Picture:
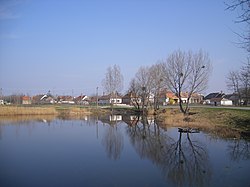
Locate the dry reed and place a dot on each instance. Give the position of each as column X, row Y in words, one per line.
column 20, row 110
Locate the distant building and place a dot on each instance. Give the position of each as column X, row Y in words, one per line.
column 26, row 100
column 65, row 99
column 221, row 102
column 131, row 99
column 171, row 98
column 207, row 99
column 110, row 99
column 43, row 99
column 218, row 99
column 82, row 100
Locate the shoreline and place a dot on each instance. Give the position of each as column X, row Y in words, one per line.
column 203, row 118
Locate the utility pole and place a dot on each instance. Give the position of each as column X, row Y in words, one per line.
column 97, row 97
column 1, row 96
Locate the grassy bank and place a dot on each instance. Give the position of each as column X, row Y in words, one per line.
column 228, row 123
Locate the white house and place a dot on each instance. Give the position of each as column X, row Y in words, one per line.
column 221, row 102
column 110, row 99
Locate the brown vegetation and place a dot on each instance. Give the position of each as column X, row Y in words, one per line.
column 219, row 122
column 20, row 110
column 57, row 110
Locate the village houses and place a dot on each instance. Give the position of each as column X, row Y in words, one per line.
column 165, row 97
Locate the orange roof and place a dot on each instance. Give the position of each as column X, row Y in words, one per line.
column 171, row 95
column 25, row 98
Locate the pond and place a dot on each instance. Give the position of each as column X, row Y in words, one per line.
column 117, row 151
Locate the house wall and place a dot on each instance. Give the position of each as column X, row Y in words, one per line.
column 26, row 102
column 104, row 101
column 226, row 102
column 116, row 100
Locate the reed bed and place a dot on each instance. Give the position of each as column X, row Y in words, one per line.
column 21, row 110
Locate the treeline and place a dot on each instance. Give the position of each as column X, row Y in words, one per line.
column 180, row 72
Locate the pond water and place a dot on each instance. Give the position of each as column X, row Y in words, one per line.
column 98, row 152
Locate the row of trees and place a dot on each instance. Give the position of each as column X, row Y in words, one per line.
column 180, row 72
column 239, row 82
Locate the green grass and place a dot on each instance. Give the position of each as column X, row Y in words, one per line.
column 234, row 118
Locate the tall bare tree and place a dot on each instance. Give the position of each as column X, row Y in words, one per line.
column 113, row 81
column 156, row 77
column 243, row 9
column 239, row 82
column 233, row 83
column 142, row 85
column 245, row 81
column 186, row 72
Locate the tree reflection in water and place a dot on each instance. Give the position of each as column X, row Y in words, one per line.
column 239, row 150
column 113, row 142
column 183, row 161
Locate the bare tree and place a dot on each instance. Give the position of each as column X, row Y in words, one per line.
column 113, row 81
column 186, row 72
column 142, row 85
column 233, row 83
column 245, row 81
column 156, row 77
column 243, row 9
column 239, row 82
column 134, row 92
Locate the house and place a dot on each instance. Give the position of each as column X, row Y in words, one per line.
column 171, row 98
column 110, row 99
column 218, row 99
column 221, row 102
column 82, row 100
column 26, row 100
column 235, row 98
column 207, row 99
column 65, row 99
column 131, row 99
column 43, row 99
column 196, row 98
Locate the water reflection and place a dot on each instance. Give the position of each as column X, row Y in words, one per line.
column 183, row 157
column 239, row 150
column 181, row 160
column 113, row 142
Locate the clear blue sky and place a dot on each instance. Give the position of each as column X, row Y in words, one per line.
column 67, row 45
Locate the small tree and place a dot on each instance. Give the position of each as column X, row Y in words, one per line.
column 186, row 71
column 134, row 92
